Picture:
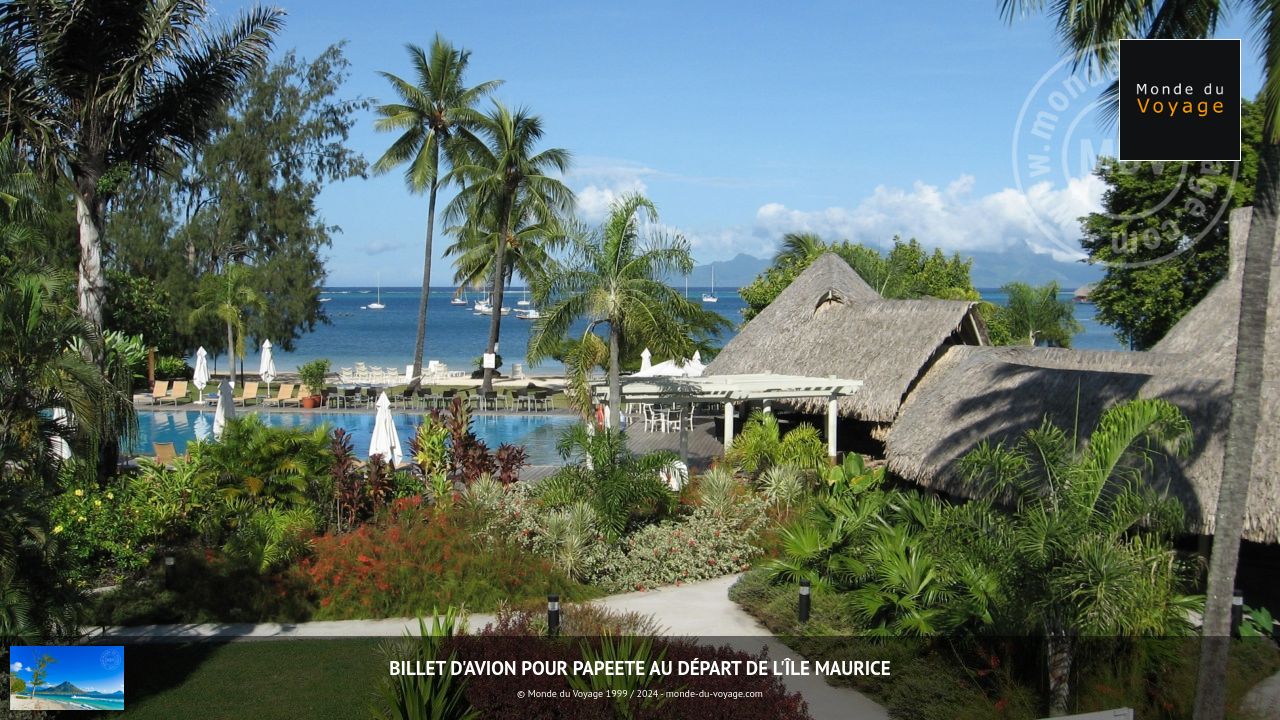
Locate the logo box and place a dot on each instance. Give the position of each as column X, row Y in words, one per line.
column 1179, row 100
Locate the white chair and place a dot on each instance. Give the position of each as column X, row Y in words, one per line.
column 346, row 376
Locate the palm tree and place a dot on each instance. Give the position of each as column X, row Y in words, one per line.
column 100, row 89
column 1091, row 30
column 615, row 277
column 1091, row 543
column 1037, row 315
column 429, row 113
column 504, row 174
column 225, row 297
column 527, row 249
column 801, row 247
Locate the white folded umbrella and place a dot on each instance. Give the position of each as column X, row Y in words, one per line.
column 385, row 441
column 201, row 376
column 267, row 365
column 645, row 363
column 60, row 445
column 226, row 408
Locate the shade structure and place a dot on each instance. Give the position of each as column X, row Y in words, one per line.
column 226, row 408
column 201, row 376
column 385, row 441
column 670, row 368
column 267, row 365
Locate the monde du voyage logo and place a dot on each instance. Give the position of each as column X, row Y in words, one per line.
column 1180, row 100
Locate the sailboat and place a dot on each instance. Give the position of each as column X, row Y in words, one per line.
column 459, row 297
column 711, row 296
column 524, row 301
column 377, row 305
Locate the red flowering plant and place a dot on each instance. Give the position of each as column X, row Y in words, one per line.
column 415, row 558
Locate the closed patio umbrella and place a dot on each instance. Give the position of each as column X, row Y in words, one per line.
column 60, row 445
column 226, row 408
column 267, row 365
column 385, row 441
column 645, row 364
column 201, row 376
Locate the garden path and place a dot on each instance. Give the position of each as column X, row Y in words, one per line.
column 702, row 610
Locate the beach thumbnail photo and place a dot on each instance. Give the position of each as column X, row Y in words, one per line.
column 59, row 677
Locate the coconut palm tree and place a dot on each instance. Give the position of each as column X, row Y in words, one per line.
column 428, row 114
column 1091, row 30
column 503, row 174
column 801, row 247
column 615, row 276
column 1035, row 315
column 225, row 297
column 528, row 249
column 1090, row 544
column 99, row 90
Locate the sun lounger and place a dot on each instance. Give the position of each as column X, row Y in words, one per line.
column 286, row 393
column 165, row 452
column 177, row 393
column 160, row 390
column 247, row 393
column 303, row 392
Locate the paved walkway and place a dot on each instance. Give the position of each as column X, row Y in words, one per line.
column 700, row 610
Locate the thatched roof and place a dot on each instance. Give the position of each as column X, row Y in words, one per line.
column 829, row 322
column 972, row 394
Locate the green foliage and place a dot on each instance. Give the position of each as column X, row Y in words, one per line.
column 1142, row 299
column 1258, row 622
column 621, row 487
column 432, row 696
column 101, row 531
column 248, row 196
column 1032, row 316
column 172, row 367
column 16, row 684
column 782, row 485
column 626, row 691
column 906, row 271
column 229, row 297
column 854, row 473
column 313, row 374
column 136, row 305
column 265, row 465
column 762, row 444
column 268, row 538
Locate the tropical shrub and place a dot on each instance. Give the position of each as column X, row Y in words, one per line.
column 268, row 465
column 433, row 696
column 313, row 374
column 101, row 532
column 416, row 559
column 268, row 538
column 854, row 472
column 176, row 503
column 699, row 546
column 762, row 444
column 172, row 367
column 622, row 488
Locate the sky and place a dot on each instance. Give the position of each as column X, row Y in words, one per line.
column 857, row 121
column 92, row 668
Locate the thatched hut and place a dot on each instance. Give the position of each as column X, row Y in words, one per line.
column 830, row 323
column 972, row 394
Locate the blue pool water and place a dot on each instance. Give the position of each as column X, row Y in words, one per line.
column 538, row 433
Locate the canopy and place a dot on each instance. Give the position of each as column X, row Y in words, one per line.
column 645, row 365
column 201, row 376
column 670, row 368
column 226, row 408
column 385, row 441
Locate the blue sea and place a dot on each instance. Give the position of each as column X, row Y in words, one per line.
column 457, row 336
column 87, row 701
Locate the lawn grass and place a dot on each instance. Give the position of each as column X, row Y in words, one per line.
column 317, row 679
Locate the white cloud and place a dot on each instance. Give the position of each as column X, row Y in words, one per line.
column 15, row 667
column 594, row 200
column 1043, row 218
column 377, row 247
column 598, row 182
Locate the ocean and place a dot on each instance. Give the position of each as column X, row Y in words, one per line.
column 457, row 336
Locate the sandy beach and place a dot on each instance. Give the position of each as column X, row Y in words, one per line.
column 22, row 702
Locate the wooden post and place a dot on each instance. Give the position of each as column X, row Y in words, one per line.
column 728, row 424
column 833, row 413
column 151, row 367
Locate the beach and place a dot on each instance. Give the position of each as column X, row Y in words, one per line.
column 21, row 702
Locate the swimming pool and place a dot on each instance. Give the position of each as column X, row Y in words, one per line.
column 538, row 433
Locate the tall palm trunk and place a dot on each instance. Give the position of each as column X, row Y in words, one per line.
column 92, row 284
column 615, row 380
column 495, row 297
column 1237, row 464
column 420, row 345
column 231, row 355
column 1059, row 666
